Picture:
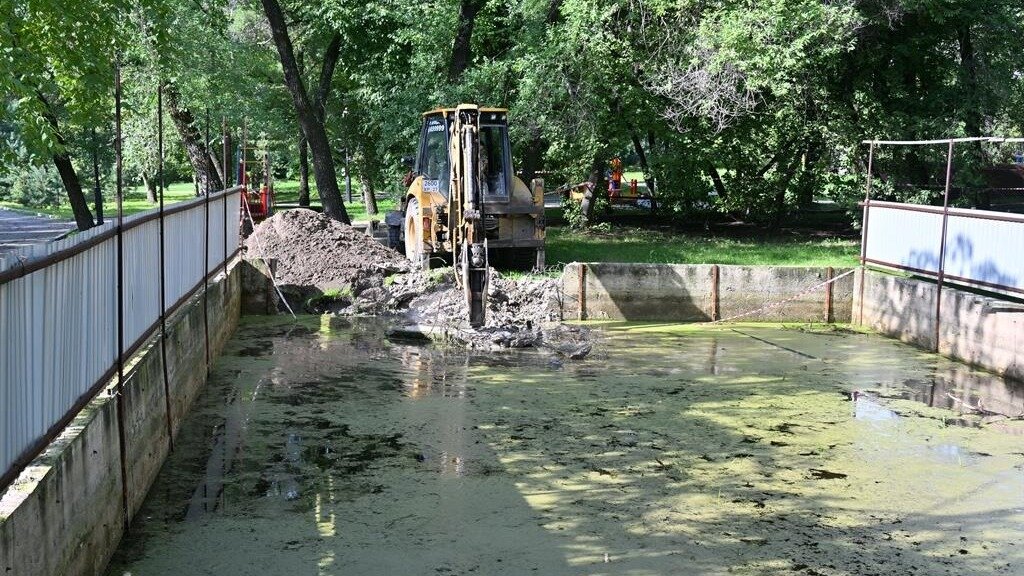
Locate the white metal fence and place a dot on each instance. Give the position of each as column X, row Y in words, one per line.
column 975, row 247
column 59, row 317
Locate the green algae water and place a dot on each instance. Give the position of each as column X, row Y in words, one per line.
column 322, row 447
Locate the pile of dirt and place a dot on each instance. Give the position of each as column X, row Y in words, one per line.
column 315, row 251
column 326, row 266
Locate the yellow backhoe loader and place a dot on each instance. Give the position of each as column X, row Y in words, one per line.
column 465, row 201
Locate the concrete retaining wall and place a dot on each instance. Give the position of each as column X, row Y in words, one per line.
column 979, row 330
column 687, row 293
column 64, row 515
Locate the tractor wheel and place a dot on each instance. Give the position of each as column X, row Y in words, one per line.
column 413, row 228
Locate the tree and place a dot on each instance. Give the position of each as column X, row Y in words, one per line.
column 312, row 125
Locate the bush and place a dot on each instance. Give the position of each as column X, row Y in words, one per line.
column 36, row 186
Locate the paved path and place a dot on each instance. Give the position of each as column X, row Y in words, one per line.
column 19, row 229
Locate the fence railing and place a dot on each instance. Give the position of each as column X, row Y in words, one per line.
column 975, row 247
column 59, row 315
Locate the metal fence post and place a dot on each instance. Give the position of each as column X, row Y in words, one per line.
column 715, row 312
column 864, row 230
column 206, row 247
column 942, row 246
column 119, row 390
column 163, row 263
column 225, row 145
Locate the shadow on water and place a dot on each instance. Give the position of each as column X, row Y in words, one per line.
column 758, row 451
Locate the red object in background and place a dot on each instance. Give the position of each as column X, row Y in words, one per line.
column 632, row 187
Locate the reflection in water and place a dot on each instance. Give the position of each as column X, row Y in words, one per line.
column 324, row 448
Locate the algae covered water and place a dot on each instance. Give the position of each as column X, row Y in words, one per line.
column 322, row 447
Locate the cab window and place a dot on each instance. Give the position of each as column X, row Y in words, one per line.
column 493, row 154
column 433, row 161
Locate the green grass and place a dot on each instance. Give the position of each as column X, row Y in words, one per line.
column 287, row 191
column 658, row 247
column 134, row 201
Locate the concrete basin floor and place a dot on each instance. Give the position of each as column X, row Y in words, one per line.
column 321, row 447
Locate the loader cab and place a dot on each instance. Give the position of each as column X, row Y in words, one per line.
column 432, row 161
column 434, row 164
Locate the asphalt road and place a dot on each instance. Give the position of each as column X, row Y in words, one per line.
column 18, row 229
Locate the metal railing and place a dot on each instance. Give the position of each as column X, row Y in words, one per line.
column 980, row 248
column 63, row 336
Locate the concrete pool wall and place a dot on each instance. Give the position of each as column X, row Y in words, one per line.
column 704, row 292
column 64, row 515
column 983, row 331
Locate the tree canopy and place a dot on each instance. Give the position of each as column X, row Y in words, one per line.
column 748, row 108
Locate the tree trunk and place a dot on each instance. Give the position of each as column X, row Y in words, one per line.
column 716, row 180
column 590, row 196
column 532, row 159
column 462, row 48
column 207, row 177
column 365, row 165
column 68, row 176
column 973, row 115
column 780, row 195
column 150, row 187
column 639, row 148
column 303, row 171
column 324, row 171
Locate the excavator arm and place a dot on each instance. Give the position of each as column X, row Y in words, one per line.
column 466, row 213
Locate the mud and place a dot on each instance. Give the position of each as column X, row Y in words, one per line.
column 324, row 266
column 669, row 450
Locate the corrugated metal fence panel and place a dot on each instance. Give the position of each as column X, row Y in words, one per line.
column 184, row 267
column 904, row 238
column 234, row 219
column 58, row 328
column 215, row 248
column 141, row 279
column 58, row 325
column 988, row 252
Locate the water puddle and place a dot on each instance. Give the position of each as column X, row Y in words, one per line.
column 323, row 447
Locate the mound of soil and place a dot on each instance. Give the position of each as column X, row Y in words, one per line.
column 326, row 266
column 315, row 251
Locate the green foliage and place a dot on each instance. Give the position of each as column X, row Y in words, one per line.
column 33, row 186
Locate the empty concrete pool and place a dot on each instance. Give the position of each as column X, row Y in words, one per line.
column 322, row 447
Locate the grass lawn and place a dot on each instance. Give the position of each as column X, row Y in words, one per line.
column 287, row 192
column 135, row 201
column 660, row 247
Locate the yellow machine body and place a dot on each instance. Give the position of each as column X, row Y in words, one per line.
column 512, row 212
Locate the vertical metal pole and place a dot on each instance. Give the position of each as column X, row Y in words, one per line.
column 225, row 145
column 864, row 229
column 348, row 179
column 206, row 247
column 942, row 246
column 97, row 192
column 829, row 275
column 582, row 291
column 715, row 312
column 163, row 261
column 119, row 390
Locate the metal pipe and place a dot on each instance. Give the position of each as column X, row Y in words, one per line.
column 864, row 230
column 942, row 246
column 97, row 191
column 119, row 390
column 583, row 291
column 829, row 275
column 163, row 264
column 206, row 248
column 716, row 314
column 225, row 145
